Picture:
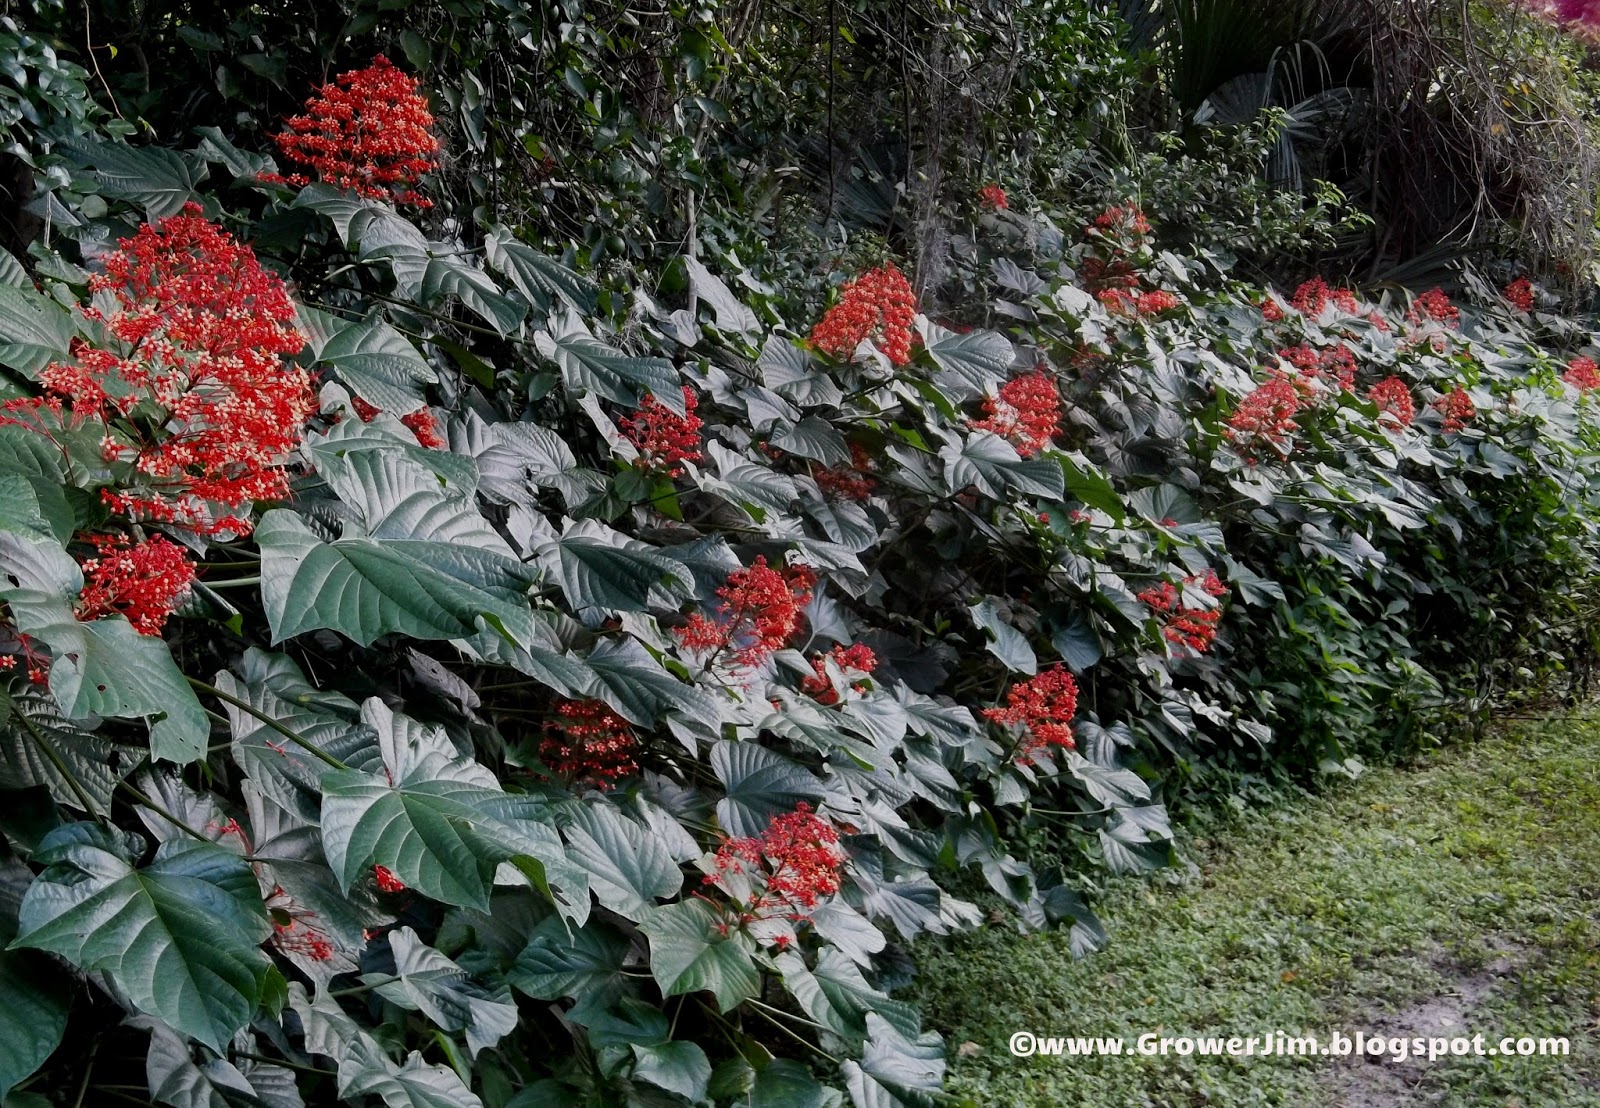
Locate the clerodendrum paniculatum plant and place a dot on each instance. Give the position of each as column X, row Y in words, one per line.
column 433, row 678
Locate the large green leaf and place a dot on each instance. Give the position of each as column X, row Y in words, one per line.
column 421, row 561
column 678, row 1067
column 542, row 279
column 970, row 364
column 992, row 465
column 28, row 753
column 635, row 685
column 439, row 822
column 585, row 963
column 33, row 1015
column 432, row 984
column 760, row 784
column 34, row 330
column 176, row 1079
column 836, row 995
column 446, row 276
column 179, row 938
column 159, row 179
column 688, row 954
column 1005, row 641
column 896, row 1071
column 629, row 869
column 589, row 365
column 598, row 567
column 379, row 364
column 364, row 1068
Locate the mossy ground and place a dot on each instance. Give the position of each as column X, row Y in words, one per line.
column 1464, row 886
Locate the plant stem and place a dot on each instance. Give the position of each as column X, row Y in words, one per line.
column 55, row 759
column 245, row 706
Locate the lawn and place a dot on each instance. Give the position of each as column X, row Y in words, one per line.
column 1453, row 897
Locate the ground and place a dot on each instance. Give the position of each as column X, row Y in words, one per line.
column 1453, row 897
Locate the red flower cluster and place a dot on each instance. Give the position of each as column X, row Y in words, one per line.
column 1195, row 628
column 1101, row 274
column 370, row 131
column 878, row 305
column 1433, row 306
column 1335, row 365
column 589, row 744
column 387, row 881
column 1313, row 297
column 1519, row 294
column 1582, row 374
column 420, row 423
column 993, row 197
column 1266, row 416
column 1457, row 409
column 1156, row 301
column 1026, row 413
column 665, row 439
column 803, row 863
column 847, row 482
column 760, row 612
column 144, row 581
column 293, row 934
column 854, row 659
column 1044, row 705
column 1393, row 398
column 1121, row 221
column 207, row 329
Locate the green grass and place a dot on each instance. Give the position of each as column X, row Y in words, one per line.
column 1467, row 882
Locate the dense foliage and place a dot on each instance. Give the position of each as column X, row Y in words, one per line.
column 438, row 672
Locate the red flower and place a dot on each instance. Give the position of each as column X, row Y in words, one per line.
column 1271, row 310
column 664, row 438
column 1457, row 409
column 369, row 131
column 293, row 933
column 760, row 612
column 1121, row 221
column 1100, row 274
column 1519, row 294
column 1027, row 413
column 1194, row 627
column 1313, row 297
column 144, row 581
column 1434, row 306
column 208, row 405
column 847, row 482
column 387, row 881
column 589, row 744
column 1393, row 399
column 1335, row 365
column 1044, row 705
column 878, row 305
column 993, row 197
column 1582, row 374
column 854, row 659
column 1265, row 416
column 422, row 424
column 797, row 859
column 1118, row 301
column 1156, row 302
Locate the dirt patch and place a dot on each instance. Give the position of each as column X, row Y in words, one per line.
column 1380, row 1081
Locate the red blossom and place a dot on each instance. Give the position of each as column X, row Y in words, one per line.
column 1099, row 274
column 1519, row 294
column 847, row 482
column 1393, row 398
column 1266, row 416
column 1433, row 306
column 294, row 933
column 1271, row 310
column 205, row 407
column 1335, row 365
column 796, row 861
column 1044, row 705
column 665, row 439
column 1156, row 302
column 589, row 744
column 1313, row 298
column 1121, row 221
column 1187, row 625
column 1582, row 374
column 1457, row 409
column 878, row 305
column 387, row 881
column 857, row 659
column 144, row 581
column 370, row 131
column 1026, row 413
column 1119, row 302
column 760, row 612
column 993, row 197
